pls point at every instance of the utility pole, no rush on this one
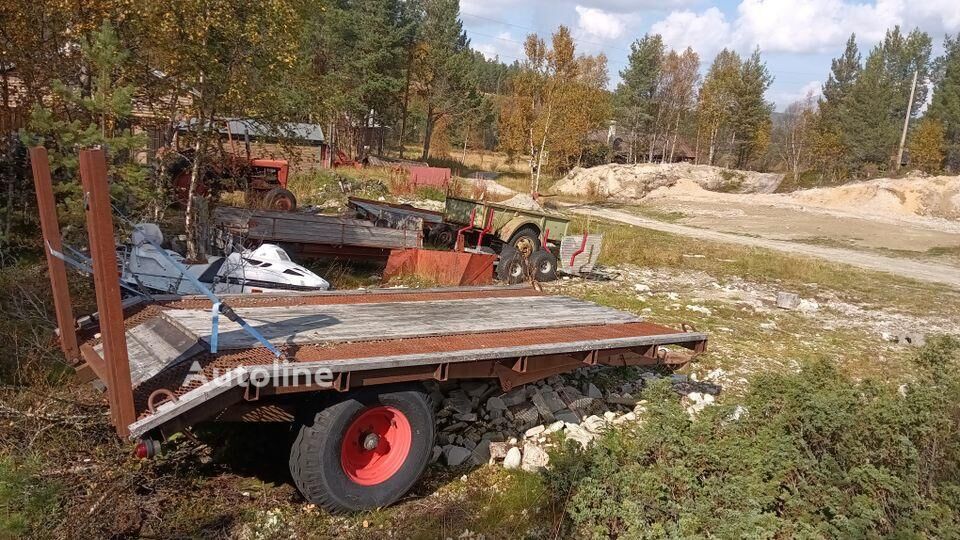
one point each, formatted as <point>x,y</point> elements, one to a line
<point>906,120</point>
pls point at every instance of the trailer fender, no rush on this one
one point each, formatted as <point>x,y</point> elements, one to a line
<point>515,224</point>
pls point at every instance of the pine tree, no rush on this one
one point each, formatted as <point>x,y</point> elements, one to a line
<point>635,95</point>
<point>878,100</point>
<point>751,111</point>
<point>945,106</point>
<point>445,78</point>
<point>98,117</point>
<point>844,72</point>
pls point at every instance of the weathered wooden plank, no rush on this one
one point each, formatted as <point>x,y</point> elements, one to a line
<point>362,322</point>
<point>313,229</point>
<point>155,345</point>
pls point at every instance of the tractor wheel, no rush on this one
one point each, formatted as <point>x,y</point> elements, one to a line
<point>526,241</point>
<point>365,451</point>
<point>512,267</point>
<point>280,199</point>
<point>543,265</point>
<point>442,236</point>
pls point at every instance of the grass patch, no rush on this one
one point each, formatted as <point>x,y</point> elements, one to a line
<point>27,501</point>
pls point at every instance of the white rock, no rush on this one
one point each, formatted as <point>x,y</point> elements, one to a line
<point>609,416</point>
<point>554,427</point>
<point>738,412</point>
<point>788,300</point>
<point>808,306</point>
<point>534,431</point>
<point>579,434</point>
<point>640,287</point>
<point>534,458</point>
<point>512,459</point>
<point>699,309</point>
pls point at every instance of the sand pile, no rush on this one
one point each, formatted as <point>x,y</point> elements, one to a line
<point>937,196</point>
<point>523,201</point>
<point>637,181</point>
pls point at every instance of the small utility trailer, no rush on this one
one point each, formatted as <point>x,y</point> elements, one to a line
<point>345,369</point>
<point>530,244</point>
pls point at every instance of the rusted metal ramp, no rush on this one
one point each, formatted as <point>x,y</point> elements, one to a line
<point>358,338</point>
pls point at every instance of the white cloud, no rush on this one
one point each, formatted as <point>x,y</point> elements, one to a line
<point>598,23</point>
<point>807,26</point>
<point>504,46</point>
<point>786,98</point>
<point>706,32</point>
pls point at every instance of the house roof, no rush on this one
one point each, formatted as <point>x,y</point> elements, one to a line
<point>238,127</point>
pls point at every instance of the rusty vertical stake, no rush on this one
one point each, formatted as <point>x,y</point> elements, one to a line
<point>96,194</point>
<point>47,208</point>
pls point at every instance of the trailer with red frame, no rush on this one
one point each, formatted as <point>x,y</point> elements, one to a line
<point>344,368</point>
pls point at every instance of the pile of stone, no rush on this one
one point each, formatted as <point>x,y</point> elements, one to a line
<point>478,424</point>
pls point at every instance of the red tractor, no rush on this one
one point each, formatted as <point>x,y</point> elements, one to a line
<point>263,181</point>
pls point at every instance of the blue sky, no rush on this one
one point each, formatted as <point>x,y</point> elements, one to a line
<point>797,38</point>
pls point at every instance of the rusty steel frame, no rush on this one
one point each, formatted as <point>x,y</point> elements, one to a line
<point>49,226</point>
<point>96,198</point>
<point>242,404</point>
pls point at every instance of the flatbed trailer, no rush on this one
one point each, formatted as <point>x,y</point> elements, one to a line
<point>344,368</point>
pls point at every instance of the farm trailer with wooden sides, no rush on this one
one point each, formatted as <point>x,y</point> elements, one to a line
<point>316,235</point>
<point>345,369</point>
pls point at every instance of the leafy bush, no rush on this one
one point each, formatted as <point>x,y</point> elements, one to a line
<point>812,454</point>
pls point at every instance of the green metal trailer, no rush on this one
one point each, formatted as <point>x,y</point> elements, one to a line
<point>527,240</point>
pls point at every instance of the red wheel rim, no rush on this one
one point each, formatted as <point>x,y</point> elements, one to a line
<point>283,203</point>
<point>375,445</point>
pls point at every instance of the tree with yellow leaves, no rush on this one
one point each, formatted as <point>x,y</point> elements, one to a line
<point>555,101</point>
<point>223,59</point>
<point>927,146</point>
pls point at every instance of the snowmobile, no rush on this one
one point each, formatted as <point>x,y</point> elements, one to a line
<point>267,268</point>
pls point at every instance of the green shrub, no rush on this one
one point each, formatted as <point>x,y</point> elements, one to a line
<point>431,193</point>
<point>812,454</point>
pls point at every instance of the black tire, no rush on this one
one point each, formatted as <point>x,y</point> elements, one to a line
<point>526,241</point>
<point>315,458</point>
<point>512,266</point>
<point>442,236</point>
<point>280,199</point>
<point>543,265</point>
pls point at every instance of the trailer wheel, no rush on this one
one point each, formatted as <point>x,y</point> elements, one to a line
<point>442,236</point>
<point>543,265</point>
<point>365,451</point>
<point>526,240</point>
<point>280,199</point>
<point>512,267</point>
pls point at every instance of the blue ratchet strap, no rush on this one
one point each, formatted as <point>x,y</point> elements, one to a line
<point>218,306</point>
<point>214,332</point>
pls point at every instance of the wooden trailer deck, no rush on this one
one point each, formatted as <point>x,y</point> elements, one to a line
<point>514,334</point>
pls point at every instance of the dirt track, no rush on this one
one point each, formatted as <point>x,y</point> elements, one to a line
<point>921,271</point>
